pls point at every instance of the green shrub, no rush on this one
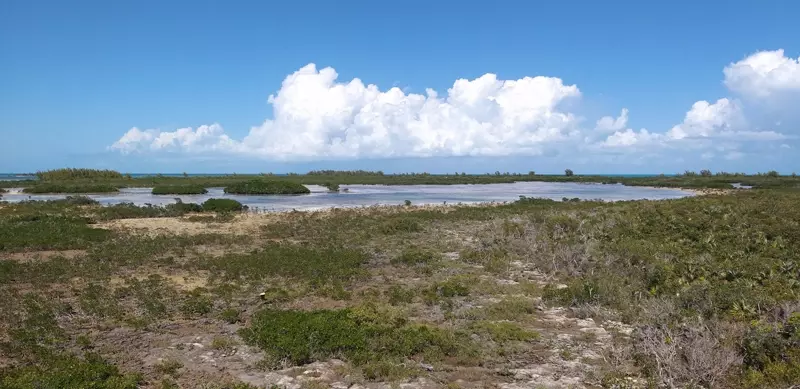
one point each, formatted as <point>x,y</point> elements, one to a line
<point>306,336</point>
<point>504,331</point>
<point>48,232</point>
<point>230,315</point>
<point>68,372</point>
<point>261,187</point>
<point>317,266</point>
<point>80,200</point>
<point>179,190</point>
<point>332,186</point>
<point>77,174</point>
<point>400,224</point>
<point>197,304</point>
<point>44,188</point>
<point>416,256</point>
<point>222,205</point>
<point>398,295</point>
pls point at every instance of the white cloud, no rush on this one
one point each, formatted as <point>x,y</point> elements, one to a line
<point>316,117</point>
<point>204,138</point>
<point>632,138</point>
<point>610,124</point>
<point>764,74</point>
<point>706,120</point>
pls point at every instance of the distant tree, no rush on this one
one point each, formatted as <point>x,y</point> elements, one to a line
<point>794,175</point>
<point>772,173</point>
<point>705,173</point>
<point>407,203</point>
<point>531,173</point>
<point>569,173</point>
<point>185,174</point>
<point>128,176</point>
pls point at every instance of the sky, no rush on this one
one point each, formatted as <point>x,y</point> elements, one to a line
<point>278,86</point>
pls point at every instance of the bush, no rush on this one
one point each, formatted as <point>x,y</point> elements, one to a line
<point>222,205</point>
<point>68,372</point>
<point>317,266</point>
<point>77,174</point>
<point>260,187</point>
<point>179,190</point>
<point>415,256</point>
<point>48,232</point>
<point>302,337</point>
<point>71,188</point>
<point>402,224</point>
<point>568,173</point>
<point>333,187</point>
<point>80,200</point>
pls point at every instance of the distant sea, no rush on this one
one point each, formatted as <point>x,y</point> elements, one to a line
<point>23,176</point>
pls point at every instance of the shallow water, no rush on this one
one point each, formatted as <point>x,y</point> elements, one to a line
<point>366,195</point>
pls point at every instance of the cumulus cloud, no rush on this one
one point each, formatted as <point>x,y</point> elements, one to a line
<point>705,119</point>
<point>315,116</point>
<point>610,124</point>
<point>764,74</point>
<point>204,138</point>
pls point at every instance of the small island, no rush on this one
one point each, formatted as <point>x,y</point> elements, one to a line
<point>261,187</point>
<point>45,188</point>
<point>179,190</point>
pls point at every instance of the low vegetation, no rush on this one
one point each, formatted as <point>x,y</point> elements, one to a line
<point>687,293</point>
<point>688,179</point>
<point>44,188</point>
<point>179,190</point>
<point>222,205</point>
<point>260,187</point>
<point>78,174</point>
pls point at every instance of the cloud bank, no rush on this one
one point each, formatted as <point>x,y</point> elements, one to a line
<point>318,117</point>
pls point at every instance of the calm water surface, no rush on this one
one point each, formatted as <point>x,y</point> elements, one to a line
<point>366,195</point>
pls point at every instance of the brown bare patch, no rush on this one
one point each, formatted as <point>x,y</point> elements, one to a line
<point>243,224</point>
<point>32,256</point>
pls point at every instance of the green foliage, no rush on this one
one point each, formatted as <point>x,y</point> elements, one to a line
<point>264,187</point>
<point>47,232</point>
<point>303,337</point>
<point>772,353</point>
<point>77,174</point>
<point>197,303</point>
<point>504,331</point>
<point>168,367</point>
<point>65,371</point>
<point>131,210</point>
<point>316,266</point>
<point>222,205</point>
<point>179,190</point>
<point>332,186</point>
<point>400,225</point>
<point>399,295</point>
<point>70,188</point>
<point>568,173</point>
<point>230,315</point>
<point>415,256</point>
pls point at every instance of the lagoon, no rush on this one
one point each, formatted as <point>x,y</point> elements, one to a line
<point>367,195</point>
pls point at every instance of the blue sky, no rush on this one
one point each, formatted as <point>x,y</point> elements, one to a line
<point>76,79</point>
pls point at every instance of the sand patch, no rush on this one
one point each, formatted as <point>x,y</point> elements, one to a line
<point>33,256</point>
<point>243,224</point>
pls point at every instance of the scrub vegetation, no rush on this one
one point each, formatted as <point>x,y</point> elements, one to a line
<point>179,190</point>
<point>261,187</point>
<point>699,292</point>
<point>241,183</point>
